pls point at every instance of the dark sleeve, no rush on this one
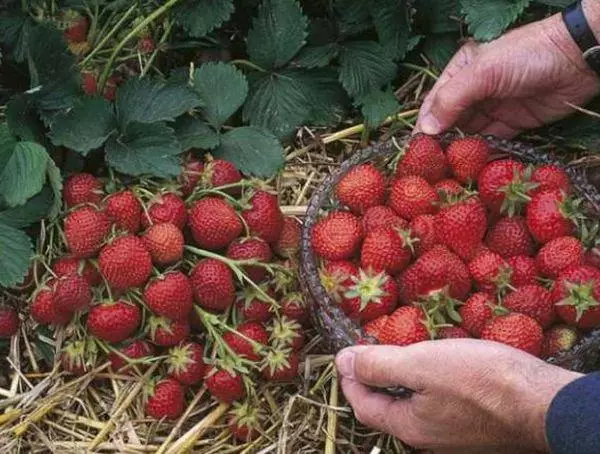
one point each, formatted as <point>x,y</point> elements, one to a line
<point>573,420</point>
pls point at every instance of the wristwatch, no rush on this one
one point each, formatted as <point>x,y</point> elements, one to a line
<point>583,35</point>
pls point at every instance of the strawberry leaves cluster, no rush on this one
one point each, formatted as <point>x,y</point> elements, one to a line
<point>441,243</point>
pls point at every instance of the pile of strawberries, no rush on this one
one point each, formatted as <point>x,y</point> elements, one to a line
<point>200,272</point>
<point>452,245</point>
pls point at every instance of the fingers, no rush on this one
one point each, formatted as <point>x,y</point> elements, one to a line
<point>501,130</point>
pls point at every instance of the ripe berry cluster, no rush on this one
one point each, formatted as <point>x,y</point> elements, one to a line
<point>450,243</point>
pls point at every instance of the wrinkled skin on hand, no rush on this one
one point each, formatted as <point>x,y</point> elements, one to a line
<point>470,395</point>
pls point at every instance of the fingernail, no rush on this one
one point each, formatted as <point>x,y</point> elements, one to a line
<point>430,125</point>
<point>345,363</point>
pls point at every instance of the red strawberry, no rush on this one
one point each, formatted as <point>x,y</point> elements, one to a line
<point>82,188</point>
<point>165,243</point>
<point>72,293</point>
<point>125,263</point>
<point>186,363</point>
<point>374,327</point>
<point>405,326</point>
<point>551,177</point>
<point>491,272</point>
<point>534,301</point>
<point>114,321</point>
<point>248,340</point>
<point>124,360</point>
<point>337,236</point>
<point>170,295</point>
<point>361,188</point>
<point>592,257</point>
<point>212,283</point>
<point>76,26</point>
<point>89,83</point>
<point>462,226</point>
<point>110,89</point>
<point>9,322</point>
<point>477,311</point>
<point>85,229</point>
<point>411,196</point>
<point>74,358</point>
<point>225,385</point>
<point>523,270</point>
<point>219,173</point>
<point>190,175</point>
<point>423,229</point>
<point>146,45</point>
<point>294,307</point>
<point>288,244</point>
<point>372,295</point>
<point>280,365</point>
<point>71,265</point>
<point>576,295</point>
<point>251,249</point>
<point>559,254</point>
<point>452,332</point>
<point>264,217</point>
<point>504,187</point>
<point>382,216</point>
<point>286,333</point>
<point>550,215</point>
<point>424,158</point>
<point>446,189</point>
<point>386,249</point>
<point>166,208</point>
<point>214,223</point>
<point>509,237</point>
<point>559,339</point>
<point>244,422</point>
<point>336,278</point>
<point>125,210</point>
<point>517,331</point>
<point>167,333</point>
<point>255,306</point>
<point>165,399</point>
<point>467,157</point>
<point>44,311</point>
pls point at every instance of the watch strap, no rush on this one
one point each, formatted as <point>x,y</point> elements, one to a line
<point>579,29</point>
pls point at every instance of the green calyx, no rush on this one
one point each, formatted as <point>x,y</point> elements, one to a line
<point>284,331</point>
<point>502,281</point>
<point>180,358</point>
<point>571,208</point>
<point>439,306</point>
<point>407,239</point>
<point>516,193</point>
<point>276,359</point>
<point>581,297</point>
<point>368,287</point>
<point>246,414</point>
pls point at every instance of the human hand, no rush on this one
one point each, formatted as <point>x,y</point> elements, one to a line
<point>469,394</point>
<point>523,80</point>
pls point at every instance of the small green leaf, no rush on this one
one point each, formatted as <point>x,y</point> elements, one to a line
<point>222,89</point>
<point>24,174</point>
<point>195,133</point>
<point>22,119</point>
<point>86,126</point>
<point>377,106</point>
<point>55,180</point>
<point>487,19</point>
<point>277,33</point>
<point>353,17</point>
<point>145,148</point>
<point>392,23</point>
<point>33,211</point>
<point>440,48</point>
<point>255,151</point>
<point>147,101</point>
<point>15,32</point>
<point>317,56</point>
<point>7,146</point>
<point>438,16</point>
<point>15,252</point>
<point>200,17</point>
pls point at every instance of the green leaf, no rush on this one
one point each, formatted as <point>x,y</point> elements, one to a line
<point>33,211</point>
<point>22,118</point>
<point>277,33</point>
<point>441,48</point>
<point>254,151</point>
<point>222,89</point>
<point>364,67</point>
<point>7,146</point>
<point>15,252</point>
<point>195,133</point>
<point>328,98</point>
<point>86,126</point>
<point>487,19</point>
<point>353,16</point>
<point>578,130</point>
<point>145,148</point>
<point>15,32</point>
<point>200,17</point>
<point>438,16</point>
<point>392,23</point>
<point>24,174</point>
<point>317,56</point>
<point>377,106</point>
<point>147,101</point>
<point>55,180</point>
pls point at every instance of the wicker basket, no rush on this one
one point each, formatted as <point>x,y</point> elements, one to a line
<point>339,330</point>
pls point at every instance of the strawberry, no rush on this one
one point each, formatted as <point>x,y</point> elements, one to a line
<point>293,306</point>
<point>248,340</point>
<point>448,188</point>
<point>114,321</point>
<point>254,305</point>
<point>423,230</point>
<point>592,257</point>
<point>125,263</point>
<point>361,188</point>
<point>146,45</point>
<point>509,237</point>
<point>70,265</point>
<point>85,229</point>
<point>165,399</point>
<point>405,326</point>
<point>9,322</point>
<point>75,26</point>
<point>110,88</point>
<point>166,208</point>
<point>424,158</point>
<point>225,385</point>
<point>186,363</point>
<point>73,358</point>
<point>558,255</point>
<point>452,332</point>
<point>288,244</point>
<point>462,226</point>
<point>523,270</point>
<point>386,249</point>
<point>337,236</point>
<point>504,187</point>
<point>212,283</point>
<point>280,365</point>
<point>124,360</point>
<point>219,173</point>
<point>44,311</point>
<point>477,311</point>
<point>371,295</point>
<point>167,333</point>
<point>551,177</point>
<point>550,215</point>
<point>287,333</point>
<point>264,217</point>
<point>125,211</point>
<point>374,327</point>
<point>559,339</point>
<point>243,422</point>
<point>336,278</point>
<point>89,83</point>
<point>490,272</point>
<point>170,295</point>
<point>72,293</point>
<point>165,243</point>
<point>467,157</point>
<point>576,295</point>
<point>214,223</point>
<point>382,216</point>
<point>251,248</point>
<point>190,175</point>
<point>534,301</point>
<point>517,331</point>
<point>411,196</point>
<point>82,188</point>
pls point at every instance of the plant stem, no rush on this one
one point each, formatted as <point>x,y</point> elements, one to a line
<point>422,69</point>
<point>249,64</point>
<point>163,40</point>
